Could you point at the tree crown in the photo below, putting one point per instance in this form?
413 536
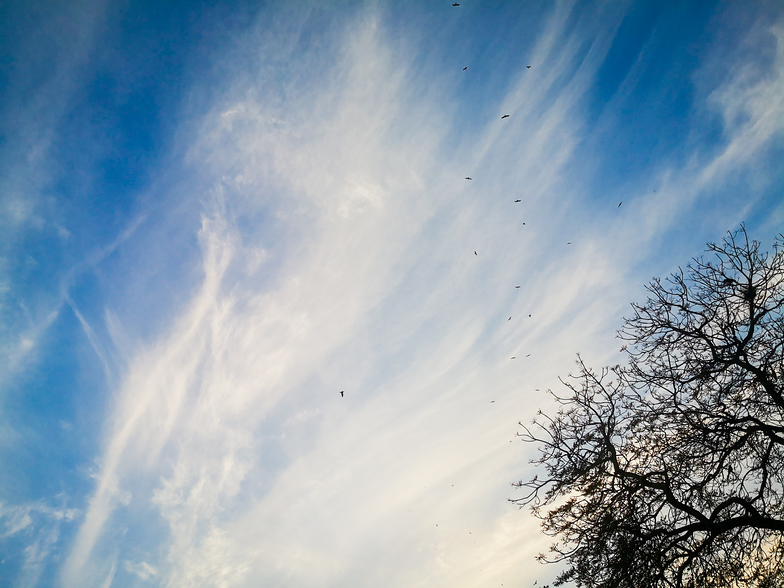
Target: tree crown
669 470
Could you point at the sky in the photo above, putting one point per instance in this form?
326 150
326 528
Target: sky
216 216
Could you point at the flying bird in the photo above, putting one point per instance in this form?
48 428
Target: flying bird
465 68
527 67
467 178
619 204
341 393
517 286
509 319
505 116
518 200
476 254
529 355
513 357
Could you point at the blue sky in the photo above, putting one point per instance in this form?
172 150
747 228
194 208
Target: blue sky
215 216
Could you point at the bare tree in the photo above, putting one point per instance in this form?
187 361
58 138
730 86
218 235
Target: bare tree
669 471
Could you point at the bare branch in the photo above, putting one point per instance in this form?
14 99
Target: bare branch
669 470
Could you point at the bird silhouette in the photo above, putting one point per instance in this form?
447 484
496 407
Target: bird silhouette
529 355
475 253
467 178
518 200
527 67
505 116
341 393
465 68
509 319
513 357
619 204
517 286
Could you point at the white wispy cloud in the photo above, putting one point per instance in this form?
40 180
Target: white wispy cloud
142 569
15 518
33 109
338 241
37 525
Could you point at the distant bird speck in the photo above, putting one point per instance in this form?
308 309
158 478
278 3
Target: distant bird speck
341 393
475 253
569 243
517 286
529 355
505 116
491 402
509 319
467 178
527 67
619 204
518 200
465 68
513 357
529 316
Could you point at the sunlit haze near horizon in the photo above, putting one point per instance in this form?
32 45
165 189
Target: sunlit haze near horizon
216 216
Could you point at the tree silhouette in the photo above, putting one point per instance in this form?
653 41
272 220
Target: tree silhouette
669 471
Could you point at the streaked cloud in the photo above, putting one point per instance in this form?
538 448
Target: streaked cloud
336 249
